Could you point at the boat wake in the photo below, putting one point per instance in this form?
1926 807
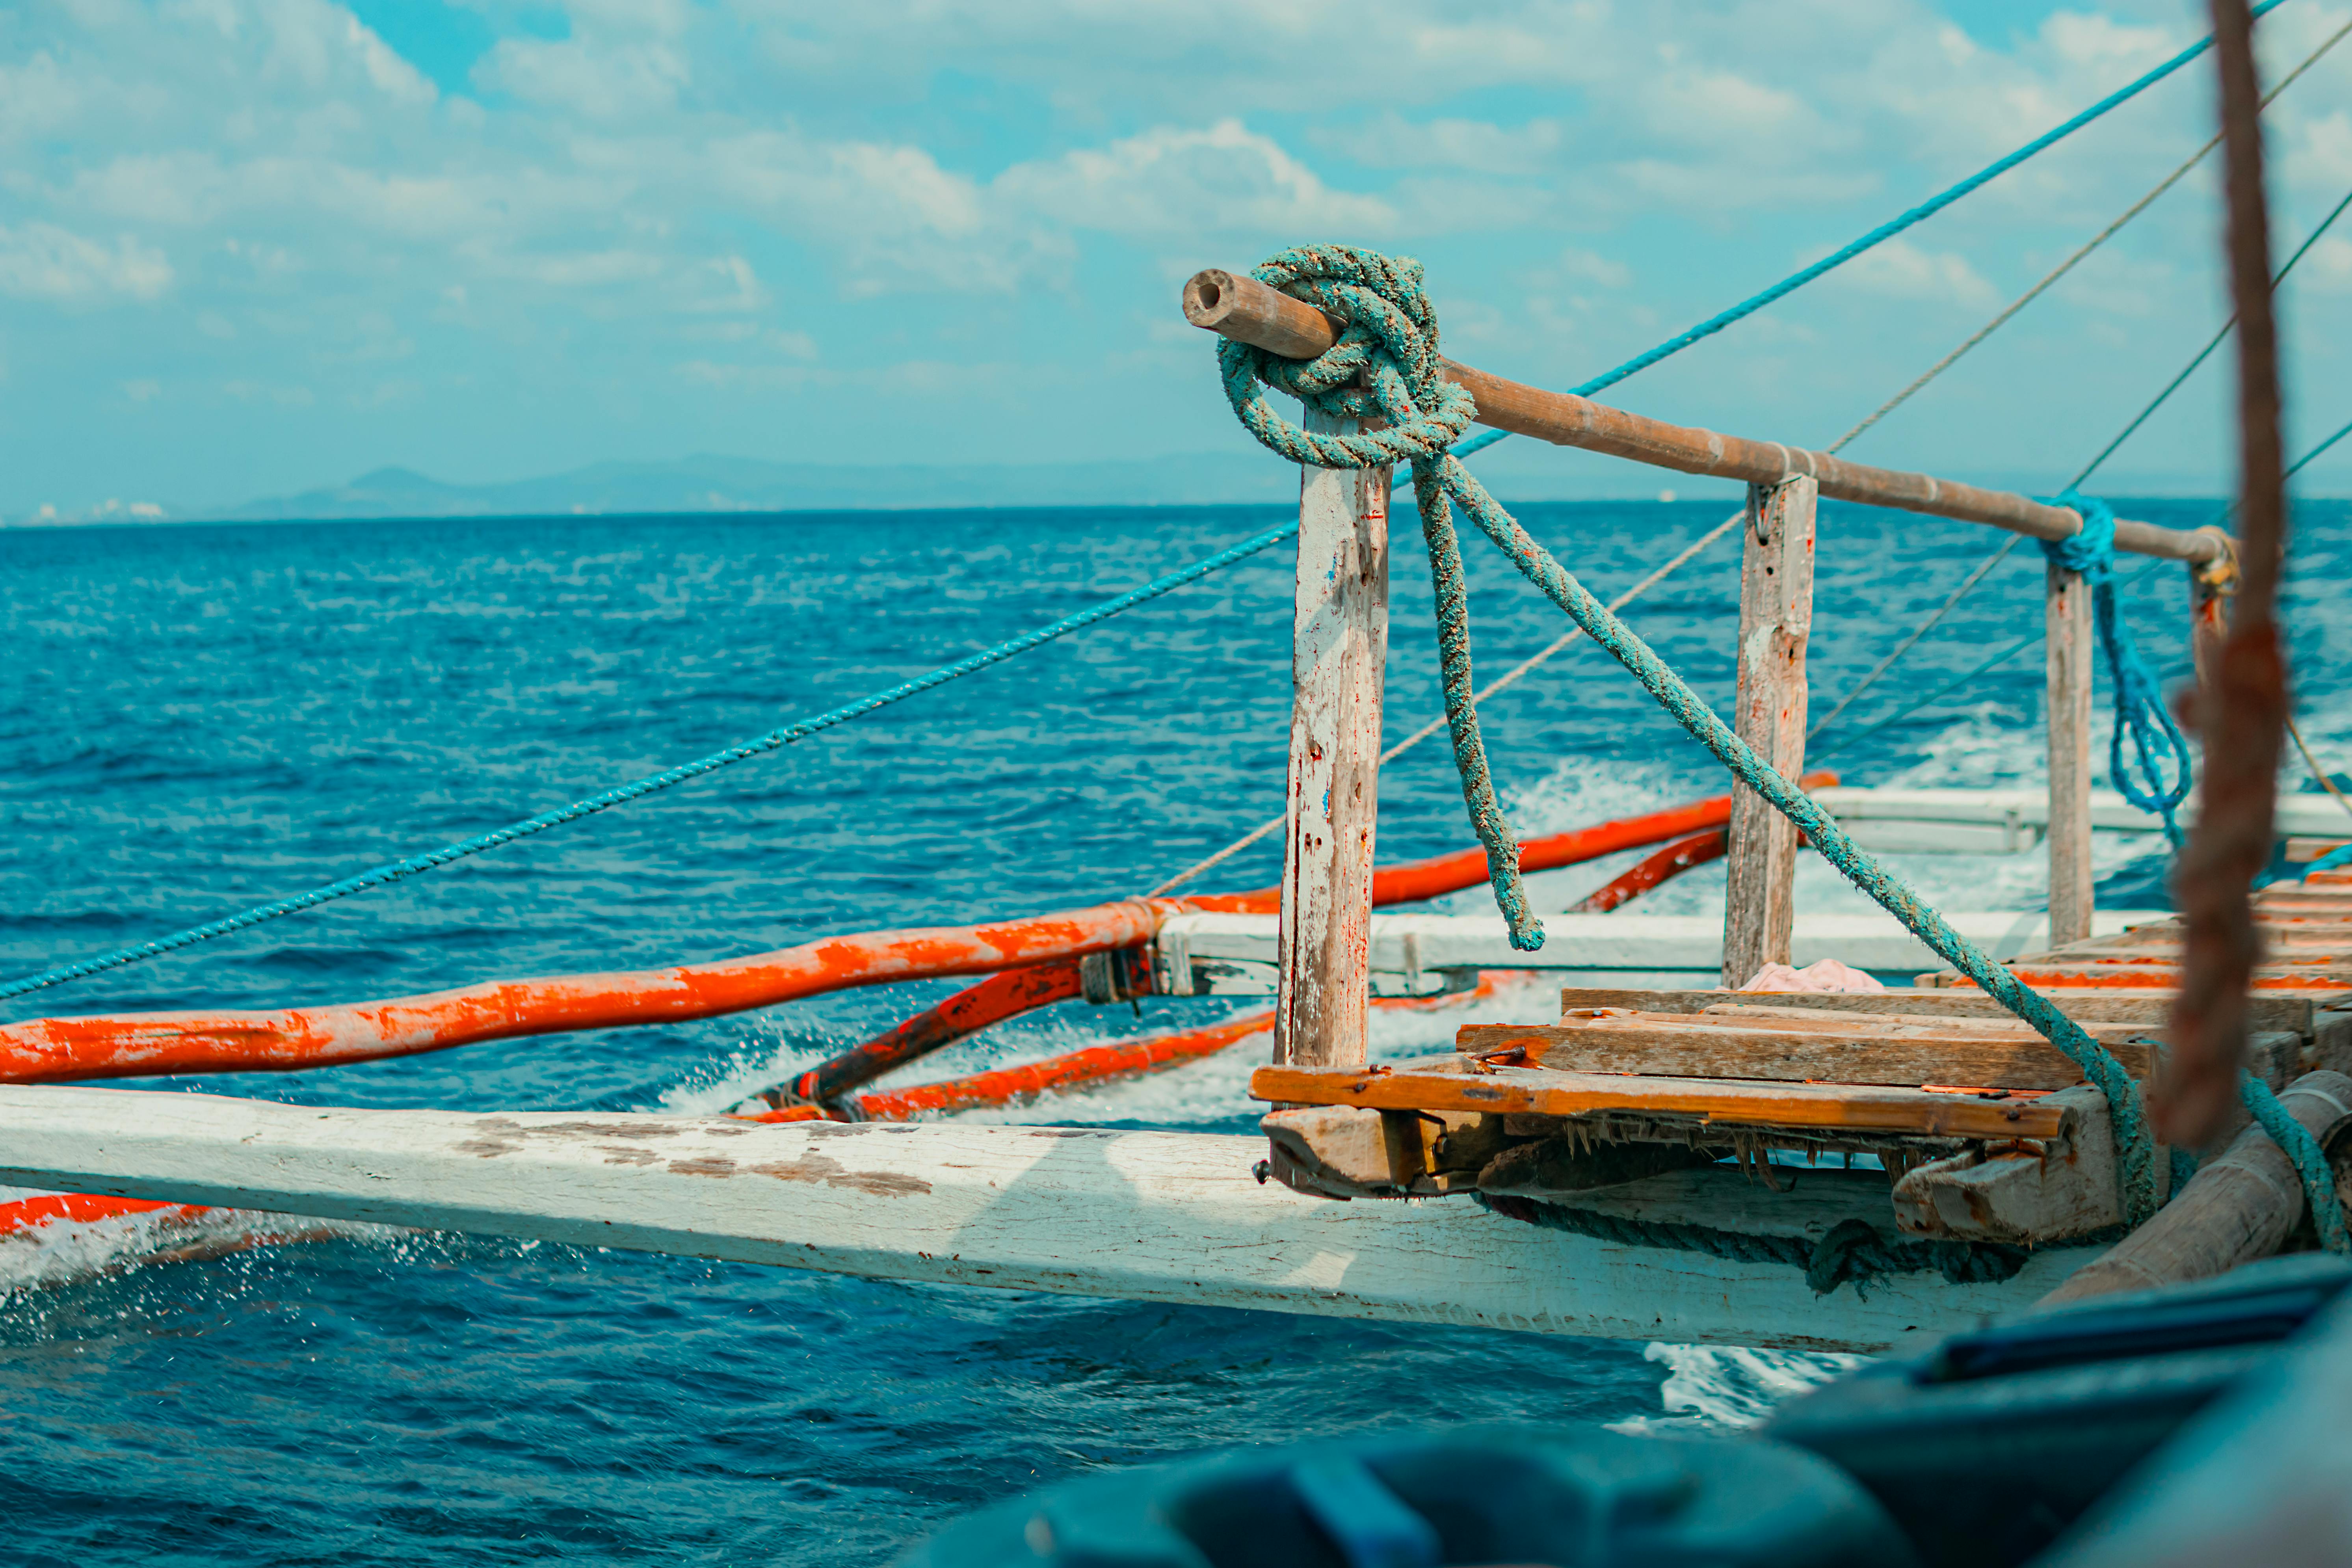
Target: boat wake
48 1239
1726 1388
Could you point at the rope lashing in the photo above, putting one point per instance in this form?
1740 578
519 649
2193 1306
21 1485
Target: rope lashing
2140 716
1391 327
2295 1141
432 858
1390 345
1852 1252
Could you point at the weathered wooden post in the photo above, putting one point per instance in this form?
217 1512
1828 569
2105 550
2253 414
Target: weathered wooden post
2068 611
2209 583
1776 617
1339 652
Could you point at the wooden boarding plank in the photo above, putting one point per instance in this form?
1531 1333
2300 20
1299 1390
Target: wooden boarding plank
1540 1091
1148 1216
2144 1006
1836 1050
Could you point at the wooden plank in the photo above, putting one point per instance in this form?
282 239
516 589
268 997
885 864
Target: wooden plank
2321 981
1442 1086
1149 1216
2022 1192
1240 307
1830 1048
1339 652
2147 1006
2067 613
1776 619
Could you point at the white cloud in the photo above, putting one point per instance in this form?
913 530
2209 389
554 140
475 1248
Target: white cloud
1903 270
1172 183
41 261
597 82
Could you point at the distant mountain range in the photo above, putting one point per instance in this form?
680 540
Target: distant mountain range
710 483
714 483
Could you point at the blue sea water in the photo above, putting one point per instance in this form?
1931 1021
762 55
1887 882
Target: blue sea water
194 719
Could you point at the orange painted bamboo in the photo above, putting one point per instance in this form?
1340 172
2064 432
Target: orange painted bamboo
1094 1064
30 1214
969 1011
1681 856
1420 880
50 1050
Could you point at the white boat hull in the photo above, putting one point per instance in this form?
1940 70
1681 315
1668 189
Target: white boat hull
1136 1216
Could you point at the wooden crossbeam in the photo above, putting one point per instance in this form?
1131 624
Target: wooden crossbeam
1445 1085
2292 1013
1837 1048
1240 307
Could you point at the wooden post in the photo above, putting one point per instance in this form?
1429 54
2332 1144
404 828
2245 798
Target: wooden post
1775 616
2208 623
2068 609
1339 652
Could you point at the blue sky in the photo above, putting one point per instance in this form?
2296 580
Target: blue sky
249 246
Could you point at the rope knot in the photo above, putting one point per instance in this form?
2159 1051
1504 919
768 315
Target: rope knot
1384 366
2091 552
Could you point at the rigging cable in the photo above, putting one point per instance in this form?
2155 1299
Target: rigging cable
1986 566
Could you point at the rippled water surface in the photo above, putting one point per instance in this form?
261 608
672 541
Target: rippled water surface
196 718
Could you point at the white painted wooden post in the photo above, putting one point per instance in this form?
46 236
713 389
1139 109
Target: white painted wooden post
2068 612
1339 652
1776 617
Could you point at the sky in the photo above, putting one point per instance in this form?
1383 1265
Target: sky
250 247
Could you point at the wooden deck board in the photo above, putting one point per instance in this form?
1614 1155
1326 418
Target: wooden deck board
1838 1048
1442 1084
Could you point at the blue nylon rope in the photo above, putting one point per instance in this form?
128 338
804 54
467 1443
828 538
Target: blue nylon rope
2295 1141
1878 236
394 870
2140 714
1390 341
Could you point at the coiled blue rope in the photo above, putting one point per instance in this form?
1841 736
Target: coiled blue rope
2295 1141
396 869
1879 236
1391 341
2140 714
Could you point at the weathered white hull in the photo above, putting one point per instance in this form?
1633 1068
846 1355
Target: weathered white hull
1136 1216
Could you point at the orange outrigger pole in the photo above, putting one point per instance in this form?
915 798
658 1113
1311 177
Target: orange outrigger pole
143 1044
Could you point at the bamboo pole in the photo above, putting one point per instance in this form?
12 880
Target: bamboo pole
1776 613
1338 650
2236 1208
1240 307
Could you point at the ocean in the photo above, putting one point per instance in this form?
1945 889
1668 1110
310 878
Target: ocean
197 718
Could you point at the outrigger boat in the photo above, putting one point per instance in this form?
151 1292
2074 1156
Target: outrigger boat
1704 1146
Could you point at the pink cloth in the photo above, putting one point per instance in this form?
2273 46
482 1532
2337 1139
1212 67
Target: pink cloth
1821 975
